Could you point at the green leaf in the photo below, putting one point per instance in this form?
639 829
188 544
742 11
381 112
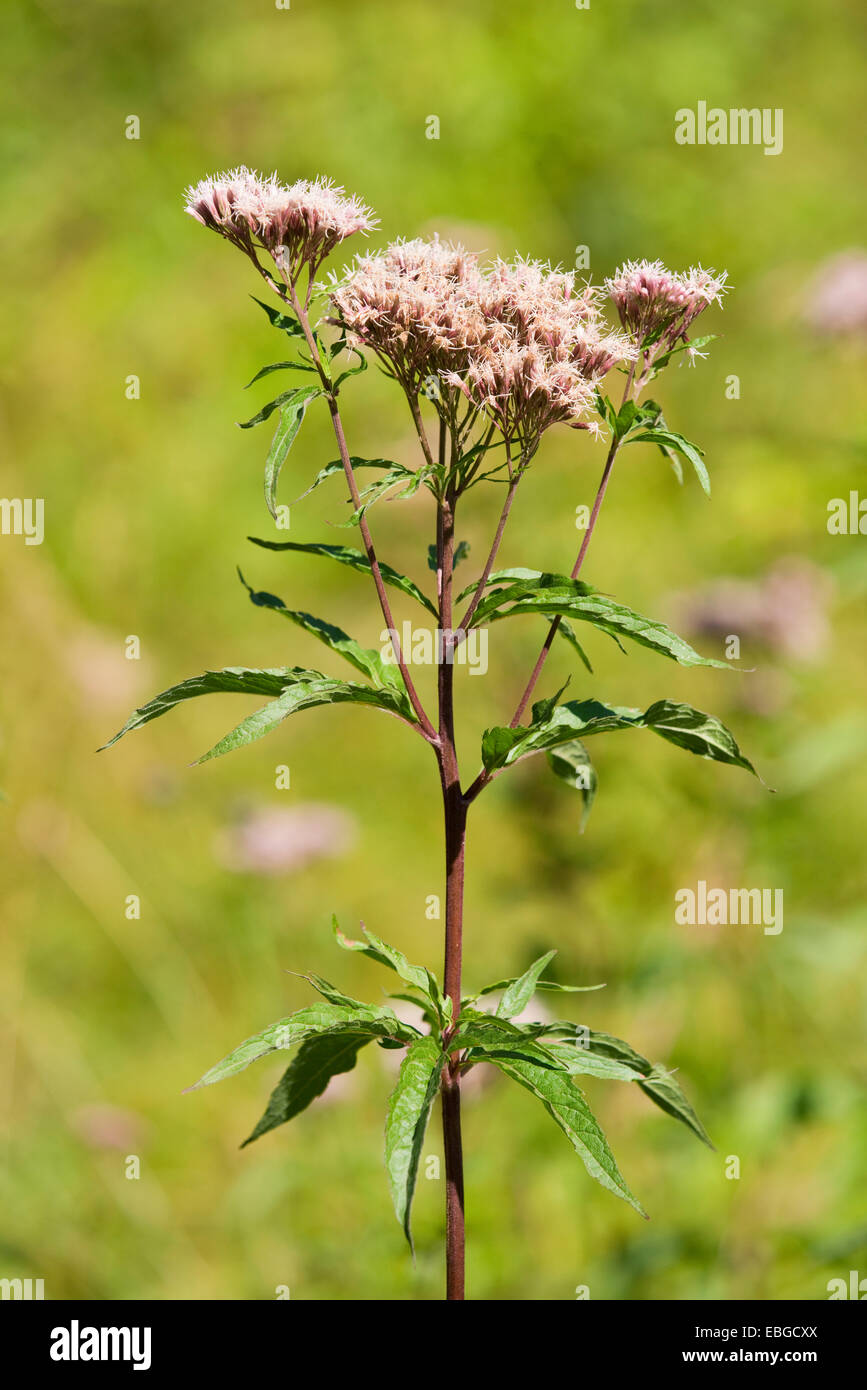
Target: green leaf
291 417
356 560
408 1110
240 680
497 577
657 1083
571 763
336 466
461 551
567 1106
362 1020
416 975
554 594
481 1032
699 733
689 728
665 1091
502 747
669 441
308 1074
278 319
315 689
374 491
384 674
285 397
519 993
694 343
279 367
566 631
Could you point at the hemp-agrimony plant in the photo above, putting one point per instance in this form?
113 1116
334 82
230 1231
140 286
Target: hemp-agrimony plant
488 360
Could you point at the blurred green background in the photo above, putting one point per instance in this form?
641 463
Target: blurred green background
556 131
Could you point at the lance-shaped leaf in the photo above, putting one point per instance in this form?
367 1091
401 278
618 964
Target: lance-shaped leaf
291 416
689 728
408 1111
480 1032
501 746
696 731
336 466
556 594
279 367
657 1083
416 975
568 1107
306 1077
287 323
669 441
362 1020
412 480
355 559
518 994
236 680
305 694
364 659
571 763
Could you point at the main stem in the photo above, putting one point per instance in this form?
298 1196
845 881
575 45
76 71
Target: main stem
455 815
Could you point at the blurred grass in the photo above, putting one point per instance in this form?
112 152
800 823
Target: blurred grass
556 131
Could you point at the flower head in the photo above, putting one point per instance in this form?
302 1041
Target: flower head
298 225
519 341
416 304
655 303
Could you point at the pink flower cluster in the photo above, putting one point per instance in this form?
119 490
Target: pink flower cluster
518 341
297 224
653 303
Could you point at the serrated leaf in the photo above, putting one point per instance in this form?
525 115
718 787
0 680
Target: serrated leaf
481 1032
336 466
416 975
355 559
567 1106
362 1020
371 663
571 763
291 418
316 690
279 367
657 1083
236 680
699 733
307 1076
287 323
665 1091
692 729
555 594
668 440
408 1110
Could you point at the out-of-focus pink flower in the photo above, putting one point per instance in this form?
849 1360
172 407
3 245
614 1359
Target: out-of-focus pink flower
837 297
274 840
785 610
108 1127
653 301
298 224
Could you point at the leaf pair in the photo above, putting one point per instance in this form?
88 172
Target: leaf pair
293 689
